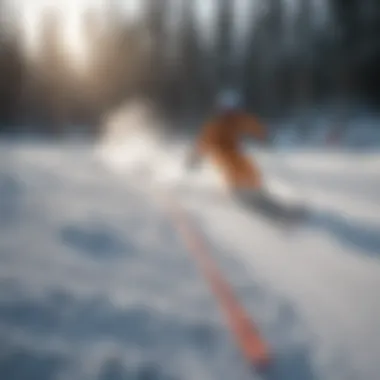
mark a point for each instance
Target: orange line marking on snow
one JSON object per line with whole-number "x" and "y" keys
{"x": 247, "y": 336}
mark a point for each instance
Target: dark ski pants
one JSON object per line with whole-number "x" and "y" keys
{"x": 263, "y": 203}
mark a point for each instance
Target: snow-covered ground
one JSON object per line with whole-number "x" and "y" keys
{"x": 96, "y": 283}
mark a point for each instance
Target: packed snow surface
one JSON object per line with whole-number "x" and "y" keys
{"x": 96, "y": 283}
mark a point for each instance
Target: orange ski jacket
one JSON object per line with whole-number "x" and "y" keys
{"x": 219, "y": 141}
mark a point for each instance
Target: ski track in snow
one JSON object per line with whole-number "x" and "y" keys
{"x": 96, "y": 283}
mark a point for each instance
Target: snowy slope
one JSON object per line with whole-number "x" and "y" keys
{"x": 327, "y": 274}
{"x": 96, "y": 283}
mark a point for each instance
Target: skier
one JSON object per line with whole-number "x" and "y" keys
{"x": 219, "y": 141}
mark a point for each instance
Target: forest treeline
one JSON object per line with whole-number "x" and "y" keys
{"x": 48, "y": 93}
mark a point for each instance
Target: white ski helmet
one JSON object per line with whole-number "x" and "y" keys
{"x": 228, "y": 99}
